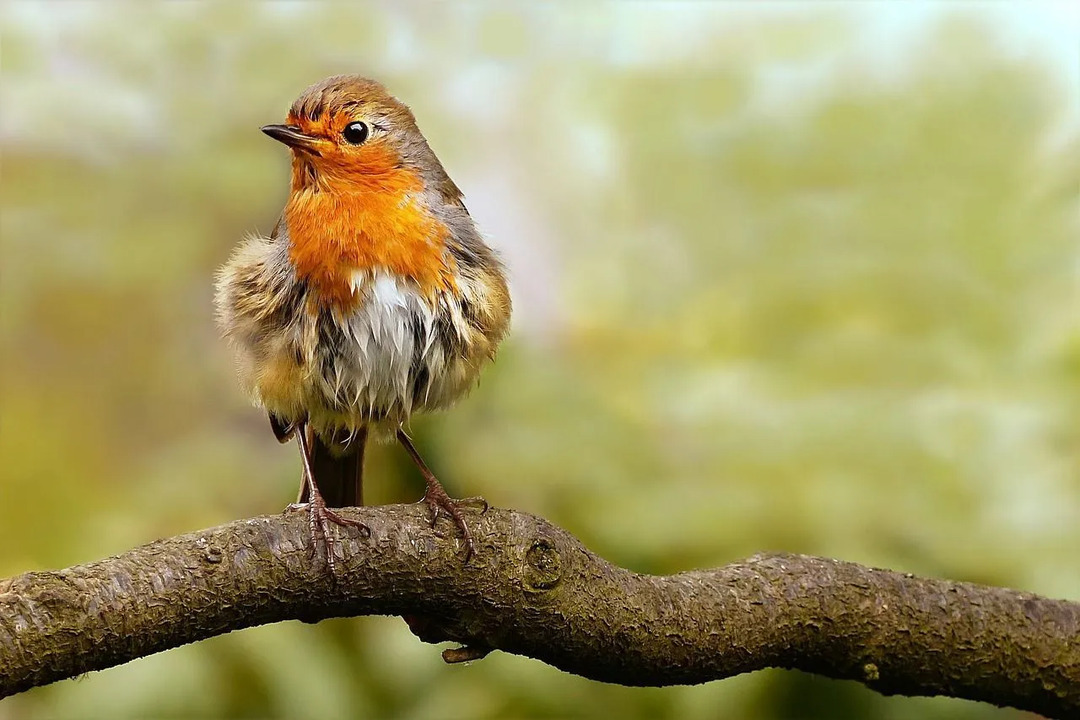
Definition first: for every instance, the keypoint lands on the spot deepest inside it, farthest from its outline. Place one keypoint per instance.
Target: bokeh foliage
(776, 288)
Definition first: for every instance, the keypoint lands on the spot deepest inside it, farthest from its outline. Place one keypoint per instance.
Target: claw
(438, 500)
(440, 503)
(319, 519)
(319, 516)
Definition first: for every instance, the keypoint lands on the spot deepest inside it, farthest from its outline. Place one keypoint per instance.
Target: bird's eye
(355, 133)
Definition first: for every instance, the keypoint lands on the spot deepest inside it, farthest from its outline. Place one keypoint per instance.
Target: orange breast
(365, 219)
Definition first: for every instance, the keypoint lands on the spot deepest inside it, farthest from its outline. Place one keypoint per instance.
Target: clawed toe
(319, 519)
(441, 503)
(438, 500)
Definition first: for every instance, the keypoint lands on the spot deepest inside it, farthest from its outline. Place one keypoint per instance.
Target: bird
(374, 297)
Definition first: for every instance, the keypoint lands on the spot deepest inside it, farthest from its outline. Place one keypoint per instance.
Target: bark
(534, 590)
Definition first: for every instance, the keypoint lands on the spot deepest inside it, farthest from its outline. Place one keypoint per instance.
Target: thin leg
(436, 497)
(303, 494)
(319, 516)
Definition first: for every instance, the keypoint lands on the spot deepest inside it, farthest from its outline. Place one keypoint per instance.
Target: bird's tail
(338, 467)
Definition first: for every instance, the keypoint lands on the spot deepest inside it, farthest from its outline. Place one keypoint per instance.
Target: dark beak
(292, 137)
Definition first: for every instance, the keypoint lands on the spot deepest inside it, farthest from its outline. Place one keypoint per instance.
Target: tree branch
(534, 590)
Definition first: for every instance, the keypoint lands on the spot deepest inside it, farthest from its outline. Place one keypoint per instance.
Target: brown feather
(283, 430)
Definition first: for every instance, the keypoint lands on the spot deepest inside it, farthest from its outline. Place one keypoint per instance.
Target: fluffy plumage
(393, 350)
(375, 296)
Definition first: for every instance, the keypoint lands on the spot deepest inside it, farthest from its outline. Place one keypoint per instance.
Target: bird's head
(347, 133)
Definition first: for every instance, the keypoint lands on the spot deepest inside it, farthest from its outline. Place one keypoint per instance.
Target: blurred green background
(786, 277)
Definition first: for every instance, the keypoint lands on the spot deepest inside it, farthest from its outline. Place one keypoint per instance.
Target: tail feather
(339, 470)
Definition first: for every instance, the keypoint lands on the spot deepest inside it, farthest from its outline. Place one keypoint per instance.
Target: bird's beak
(292, 137)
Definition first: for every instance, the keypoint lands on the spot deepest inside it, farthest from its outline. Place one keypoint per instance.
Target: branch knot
(543, 566)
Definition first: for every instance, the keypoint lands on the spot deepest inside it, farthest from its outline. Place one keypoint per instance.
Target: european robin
(375, 296)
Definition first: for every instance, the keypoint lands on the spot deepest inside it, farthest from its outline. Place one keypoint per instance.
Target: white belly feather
(393, 354)
(391, 330)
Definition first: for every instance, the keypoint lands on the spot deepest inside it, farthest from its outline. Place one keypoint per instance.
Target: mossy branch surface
(535, 590)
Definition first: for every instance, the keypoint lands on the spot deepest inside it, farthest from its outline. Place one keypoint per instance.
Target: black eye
(355, 133)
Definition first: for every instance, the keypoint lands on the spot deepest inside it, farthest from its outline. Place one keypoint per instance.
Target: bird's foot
(319, 519)
(441, 503)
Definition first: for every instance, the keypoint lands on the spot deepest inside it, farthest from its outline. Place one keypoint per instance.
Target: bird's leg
(437, 498)
(319, 516)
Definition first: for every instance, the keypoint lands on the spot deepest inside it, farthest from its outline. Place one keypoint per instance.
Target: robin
(375, 296)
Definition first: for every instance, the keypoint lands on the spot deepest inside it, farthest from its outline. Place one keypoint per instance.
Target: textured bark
(534, 590)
